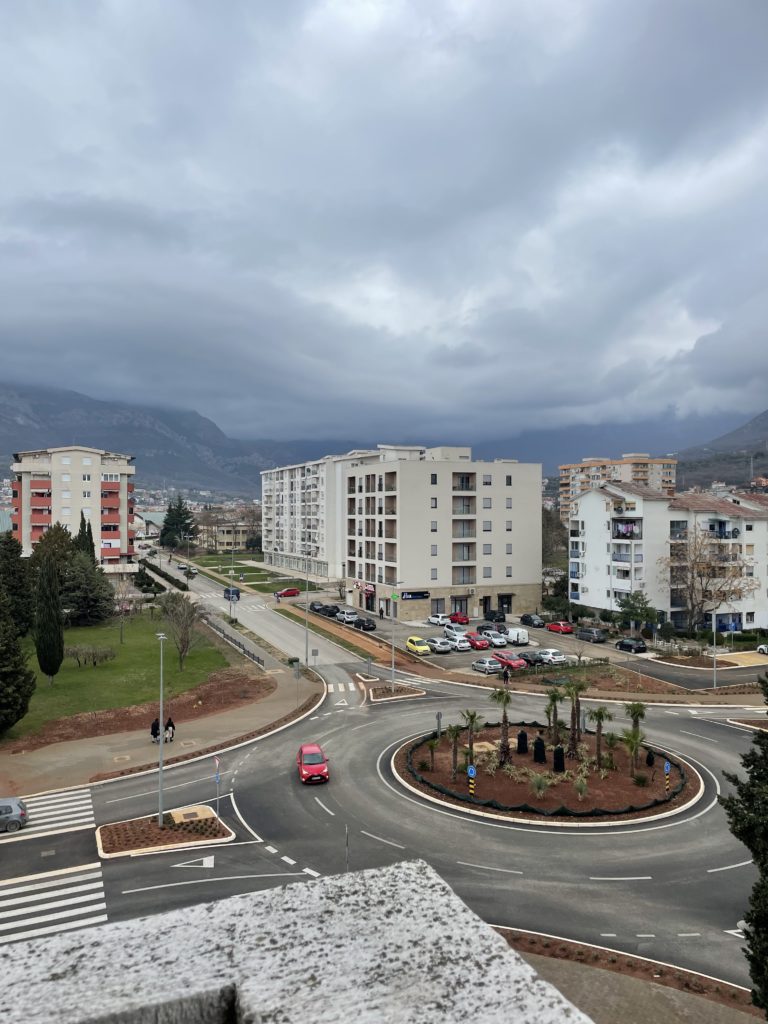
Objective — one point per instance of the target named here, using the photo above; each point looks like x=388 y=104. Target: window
x=487 y=525
x=65 y=478
x=86 y=513
x=86 y=494
x=509 y=570
x=748 y=526
x=487 y=549
x=438 y=605
x=508 y=480
x=86 y=477
x=486 y=572
x=750 y=617
x=433 y=502
x=65 y=460
x=487 y=503
x=509 y=526
x=509 y=549
x=66 y=495
x=433 y=478
x=66 y=510
x=433 y=526
x=433 y=550
x=487 y=480
x=87 y=460
x=509 y=503
x=433 y=574
x=110 y=477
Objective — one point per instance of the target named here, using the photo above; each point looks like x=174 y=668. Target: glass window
x=433 y=550
x=66 y=510
x=509 y=503
x=509 y=549
x=509 y=480
x=433 y=502
x=487 y=479
x=487 y=549
x=509 y=526
x=86 y=494
x=66 y=495
x=433 y=526
x=509 y=570
x=65 y=460
x=487 y=503
x=86 y=477
x=487 y=526
x=749 y=526
x=65 y=478
x=433 y=574
x=433 y=478
x=87 y=460
x=486 y=572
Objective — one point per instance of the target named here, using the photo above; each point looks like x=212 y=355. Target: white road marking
x=53 y=874
x=152 y=792
x=607 y=935
x=351 y=687
x=671 y=712
x=364 y=726
x=699 y=736
x=271 y=849
x=37 y=895
x=627 y=878
x=327 y=713
x=314 y=718
x=205 y=881
x=729 y=867
x=330 y=688
x=201 y=862
x=309 y=871
x=64 y=926
x=487 y=867
x=326 y=809
x=689 y=935
x=380 y=840
x=288 y=860
x=645 y=935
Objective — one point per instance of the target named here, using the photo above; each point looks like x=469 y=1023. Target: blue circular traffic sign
x=471 y=771
x=667 y=767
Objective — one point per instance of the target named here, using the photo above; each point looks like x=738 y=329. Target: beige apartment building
x=441 y=531
x=56 y=485
x=633 y=468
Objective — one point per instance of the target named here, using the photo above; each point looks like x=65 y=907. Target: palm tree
x=473 y=723
x=503 y=697
x=598 y=716
x=555 y=697
x=432 y=745
x=572 y=689
x=635 y=711
x=611 y=742
x=632 y=741
x=453 y=732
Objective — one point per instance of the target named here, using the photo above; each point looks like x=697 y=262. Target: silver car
x=439 y=645
x=13 y=814
x=497 y=639
x=551 y=656
x=459 y=643
x=488 y=666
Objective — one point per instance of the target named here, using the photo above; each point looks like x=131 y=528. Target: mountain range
x=180 y=449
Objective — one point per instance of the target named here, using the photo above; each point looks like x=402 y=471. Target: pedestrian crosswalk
x=52 y=901
x=58 y=812
x=342 y=688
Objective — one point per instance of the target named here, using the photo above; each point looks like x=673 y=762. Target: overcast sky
x=330 y=218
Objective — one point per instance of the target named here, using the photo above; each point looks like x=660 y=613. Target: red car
x=312 y=763
x=460 y=618
x=510 y=661
x=477 y=642
x=559 y=627
x=288 y=592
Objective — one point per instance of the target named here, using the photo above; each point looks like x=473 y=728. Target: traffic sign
x=217 y=777
x=471 y=771
x=667 y=767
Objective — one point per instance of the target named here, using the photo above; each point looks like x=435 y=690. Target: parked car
x=532 y=620
x=13 y=814
x=451 y=629
x=517 y=636
x=491 y=627
x=182 y=566
x=459 y=643
x=330 y=610
x=316 y=606
x=762 y=649
x=416 y=645
x=438 y=619
x=346 y=615
x=364 y=623
x=496 y=616
x=551 y=656
x=312 y=763
x=191 y=571
x=439 y=645
x=478 y=642
x=288 y=592
x=511 y=661
x=592 y=636
x=497 y=639
x=628 y=643
x=488 y=666
x=559 y=627
x=531 y=657
x=460 y=617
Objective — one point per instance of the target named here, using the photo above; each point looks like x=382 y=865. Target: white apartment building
x=632 y=468
x=620 y=533
x=54 y=485
x=443 y=532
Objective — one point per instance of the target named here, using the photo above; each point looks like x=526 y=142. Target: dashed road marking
x=288 y=860
x=271 y=849
x=309 y=871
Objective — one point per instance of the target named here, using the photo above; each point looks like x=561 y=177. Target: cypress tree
x=16 y=579
x=90 y=548
x=49 y=622
x=747 y=811
x=80 y=543
x=17 y=680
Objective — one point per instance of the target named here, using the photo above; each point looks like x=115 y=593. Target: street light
x=306 y=610
x=161 y=740
x=393 y=601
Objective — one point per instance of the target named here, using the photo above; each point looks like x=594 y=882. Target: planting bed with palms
x=606 y=773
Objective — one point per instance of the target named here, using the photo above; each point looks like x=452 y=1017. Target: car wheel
x=13 y=826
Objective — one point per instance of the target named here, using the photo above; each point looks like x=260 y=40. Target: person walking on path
x=505 y=676
x=154 y=731
x=170 y=729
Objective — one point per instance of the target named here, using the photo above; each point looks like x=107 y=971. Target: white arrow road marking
x=737 y=932
x=202 y=862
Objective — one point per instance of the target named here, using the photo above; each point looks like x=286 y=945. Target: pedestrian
x=154 y=731
x=381 y=611
x=505 y=675
x=170 y=729
x=277 y=599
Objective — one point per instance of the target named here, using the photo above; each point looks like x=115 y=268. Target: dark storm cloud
x=503 y=214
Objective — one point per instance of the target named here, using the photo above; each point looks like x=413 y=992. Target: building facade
x=442 y=532
x=632 y=468
x=624 y=538
x=56 y=485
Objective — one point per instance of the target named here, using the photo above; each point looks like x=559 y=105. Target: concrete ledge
x=394 y=944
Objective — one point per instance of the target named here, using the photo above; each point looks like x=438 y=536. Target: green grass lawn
x=133 y=677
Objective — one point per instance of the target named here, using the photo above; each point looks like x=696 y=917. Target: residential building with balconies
x=56 y=485
x=635 y=468
x=443 y=532
x=625 y=537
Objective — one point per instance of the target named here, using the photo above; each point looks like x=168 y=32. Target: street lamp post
x=393 y=601
x=306 y=610
x=714 y=650
x=161 y=740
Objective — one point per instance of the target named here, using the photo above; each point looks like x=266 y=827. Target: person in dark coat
x=539 y=750
x=505 y=675
x=154 y=731
x=522 y=742
x=170 y=729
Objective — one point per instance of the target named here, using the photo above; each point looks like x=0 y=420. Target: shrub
x=423 y=766
x=580 y=785
x=640 y=779
x=539 y=785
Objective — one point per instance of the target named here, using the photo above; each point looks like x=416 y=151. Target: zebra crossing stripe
x=68 y=926
x=51 y=901
x=46 y=885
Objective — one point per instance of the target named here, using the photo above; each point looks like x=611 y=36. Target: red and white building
x=54 y=485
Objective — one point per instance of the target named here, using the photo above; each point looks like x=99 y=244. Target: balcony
x=621 y=556
x=574 y=574
x=40 y=485
x=110 y=518
x=110 y=485
x=39 y=502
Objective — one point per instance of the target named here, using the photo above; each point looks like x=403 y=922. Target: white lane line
x=309 y=871
x=364 y=726
x=487 y=867
x=314 y=718
x=47 y=895
x=699 y=736
x=288 y=860
x=51 y=929
x=327 y=713
x=666 y=713
x=627 y=878
x=52 y=874
x=645 y=935
x=242 y=820
x=607 y=935
x=380 y=840
x=152 y=792
x=44 y=819
x=729 y=867
x=326 y=809
x=271 y=849
x=203 y=881
x=68 y=799
x=689 y=935
x=58 y=916
x=49 y=830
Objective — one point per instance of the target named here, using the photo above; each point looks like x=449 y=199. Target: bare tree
x=706 y=572
x=124 y=600
x=182 y=618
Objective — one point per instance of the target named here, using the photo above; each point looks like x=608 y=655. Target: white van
x=517 y=636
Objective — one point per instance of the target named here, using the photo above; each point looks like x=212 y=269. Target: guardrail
x=232 y=638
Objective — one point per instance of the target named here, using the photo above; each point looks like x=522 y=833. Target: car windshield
x=313 y=759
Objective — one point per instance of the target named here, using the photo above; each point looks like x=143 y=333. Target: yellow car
x=416 y=645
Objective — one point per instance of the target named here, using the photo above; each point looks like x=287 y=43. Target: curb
x=402 y=696
x=219 y=841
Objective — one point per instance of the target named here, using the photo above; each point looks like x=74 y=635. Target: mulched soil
x=144 y=833
x=229 y=688
x=635 y=967
x=613 y=793
x=382 y=692
x=698 y=661
x=608 y=679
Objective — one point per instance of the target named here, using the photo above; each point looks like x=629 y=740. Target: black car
x=331 y=610
x=491 y=627
x=532 y=620
x=496 y=616
x=531 y=657
x=628 y=643
x=361 y=622
x=316 y=606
